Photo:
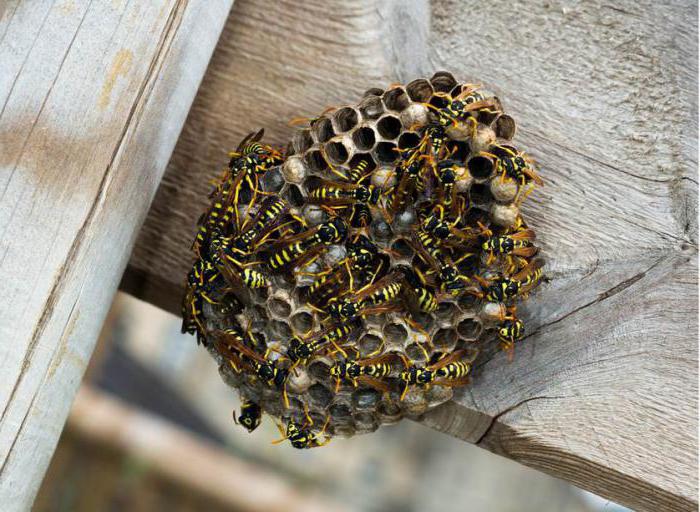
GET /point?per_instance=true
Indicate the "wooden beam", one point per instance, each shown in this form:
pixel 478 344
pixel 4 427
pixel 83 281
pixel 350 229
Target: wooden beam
pixel 93 96
pixel 603 392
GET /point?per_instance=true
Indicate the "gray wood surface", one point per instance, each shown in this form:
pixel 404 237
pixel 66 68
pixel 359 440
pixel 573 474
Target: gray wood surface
pixel 603 392
pixel 92 99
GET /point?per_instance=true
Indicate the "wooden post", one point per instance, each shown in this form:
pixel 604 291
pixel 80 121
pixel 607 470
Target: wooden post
pixel 92 98
pixel 603 392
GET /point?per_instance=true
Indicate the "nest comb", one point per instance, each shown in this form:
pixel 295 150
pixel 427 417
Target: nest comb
pixel 377 131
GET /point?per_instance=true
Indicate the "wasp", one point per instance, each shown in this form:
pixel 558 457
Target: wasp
pixel 360 216
pixel 516 165
pixel 510 331
pixel 360 260
pixel 300 248
pixel 408 179
pixel 202 279
pixel 251 145
pixel 430 250
pixel 250 417
pixel 267 218
pixel 301 437
pixel 516 244
pixel 420 296
pixel 234 271
pixel 368 300
pixel 368 371
pixel 300 350
pixel 460 108
pixel 505 289
pixel 448 371
pixel 231 345
pixel 343 194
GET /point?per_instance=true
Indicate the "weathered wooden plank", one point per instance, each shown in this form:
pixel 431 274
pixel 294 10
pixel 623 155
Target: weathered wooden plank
pixel 93 98
pixel 603 392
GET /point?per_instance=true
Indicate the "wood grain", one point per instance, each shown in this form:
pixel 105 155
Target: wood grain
pixel 603 391
pixel 93 96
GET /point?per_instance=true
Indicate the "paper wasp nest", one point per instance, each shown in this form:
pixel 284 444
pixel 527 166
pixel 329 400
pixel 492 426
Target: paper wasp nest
pixel 380 130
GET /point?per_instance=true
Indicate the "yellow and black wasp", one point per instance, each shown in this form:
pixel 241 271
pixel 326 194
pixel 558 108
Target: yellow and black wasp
pixel 356 270
pixel 202 280
pixel 429 249
pixel 331 193
pixel 232 346
pixel 419 296
pixel 509 332
pixel 449 371
pixel 369 371
pixel 506 289
pixel 371 299
pixel 409 178
pixel 267 218
pixel 250 417
pixel 299 350
pixel 301 437
pixel 513 164
pixel 235 270
pixel 516 244
pixel 298 249
pixel 463 107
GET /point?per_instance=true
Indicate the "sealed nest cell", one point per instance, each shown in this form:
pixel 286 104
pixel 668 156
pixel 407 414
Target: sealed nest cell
pixel 353 279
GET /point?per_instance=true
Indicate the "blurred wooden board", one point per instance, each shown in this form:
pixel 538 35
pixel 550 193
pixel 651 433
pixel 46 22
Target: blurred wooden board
pixel 93 96
pixel 603 392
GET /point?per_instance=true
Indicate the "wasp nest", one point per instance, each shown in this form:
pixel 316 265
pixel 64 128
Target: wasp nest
pixel 352 281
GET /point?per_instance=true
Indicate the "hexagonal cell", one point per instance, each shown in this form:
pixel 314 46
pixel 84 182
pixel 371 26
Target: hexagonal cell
pixel 505 127
pixel 364 138
pixel 279 307
pixel 366 422
pixel 273 180
pixel 418 353
pixel 481 167
pixel 320 395
pixel 389 127
pixel 365 399
pixel 298 381
pixel 337 152
pixel 445 339
pixel 314 214
pixel 319 370
pixel 409 140
pixel 503 191
pixel 259 294
pixel 369 344
pixel 438 101
pixel 467 302
pixel 315 161
pixel 293 196
pixel 340 412
pixel 443 81
pixel 414 116
pixel 437 395
pixel 405 221
pixel 282 329
pixel 322 129
pixel 381 230
pixel 480 194
pixel 389 412
pixel 419 90
pixel 504 215
pixel 345 119
pixel 469 328
pixel 402 248
pixel 385 152
pixel 373 91
pixel 302 322
pixel 371 107
pixel 445 310
pixel 302 141
pixel 396 99
pixel 395 334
